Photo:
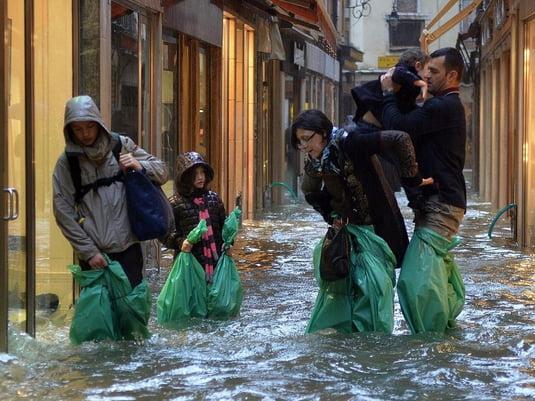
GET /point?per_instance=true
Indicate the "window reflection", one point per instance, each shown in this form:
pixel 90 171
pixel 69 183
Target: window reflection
pixel 169 106
pixel 89 52
pixel 201 139
pixel 124 71
pixel 53 282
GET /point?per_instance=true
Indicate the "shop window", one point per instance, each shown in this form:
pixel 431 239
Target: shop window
pixel 329 100
pixel 500 14
pixel 203 133
pixel 130 74
pixel 89 57
pixel 124 71
pixel 308 100
pixel 16 167
pixel 52 87
pixel 188 95
pixel 169 106
pixel 291 105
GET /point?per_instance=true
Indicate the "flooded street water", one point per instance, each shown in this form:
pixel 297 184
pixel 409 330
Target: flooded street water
pixel 263 354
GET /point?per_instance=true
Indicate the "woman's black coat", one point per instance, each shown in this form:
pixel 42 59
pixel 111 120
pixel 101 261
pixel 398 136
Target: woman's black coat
pixel 360 192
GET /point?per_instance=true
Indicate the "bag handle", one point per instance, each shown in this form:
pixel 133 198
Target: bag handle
pixel 107 259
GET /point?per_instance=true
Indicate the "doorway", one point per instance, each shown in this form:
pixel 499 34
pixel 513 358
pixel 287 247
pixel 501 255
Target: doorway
pixel 13 252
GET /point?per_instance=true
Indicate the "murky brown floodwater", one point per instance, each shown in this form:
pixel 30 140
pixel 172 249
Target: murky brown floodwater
pixel 265 355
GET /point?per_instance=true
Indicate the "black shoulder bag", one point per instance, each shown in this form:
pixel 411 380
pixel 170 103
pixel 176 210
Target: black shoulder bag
pixel 335 254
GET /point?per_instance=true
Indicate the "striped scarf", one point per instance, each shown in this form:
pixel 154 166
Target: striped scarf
pixel 209 248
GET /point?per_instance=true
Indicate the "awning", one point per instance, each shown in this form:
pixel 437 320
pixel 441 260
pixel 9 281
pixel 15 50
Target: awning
pixel 310 14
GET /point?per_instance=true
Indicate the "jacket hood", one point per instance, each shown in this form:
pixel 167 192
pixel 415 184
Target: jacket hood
pixel 82 108
pixel 187 161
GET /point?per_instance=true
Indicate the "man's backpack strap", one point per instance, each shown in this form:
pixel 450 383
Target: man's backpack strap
pixel 118 146
pixel 76 173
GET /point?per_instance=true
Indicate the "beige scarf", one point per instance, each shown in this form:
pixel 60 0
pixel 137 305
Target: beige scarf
pixel 98 151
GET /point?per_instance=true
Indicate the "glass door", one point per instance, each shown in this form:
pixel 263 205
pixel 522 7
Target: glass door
pixel 52 41
pixel 4 206
pixel 14 185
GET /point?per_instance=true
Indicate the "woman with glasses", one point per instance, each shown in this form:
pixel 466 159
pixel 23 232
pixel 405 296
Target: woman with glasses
pixel 343 181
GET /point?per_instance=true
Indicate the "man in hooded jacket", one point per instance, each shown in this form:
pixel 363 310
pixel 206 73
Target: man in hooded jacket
pixel 97 222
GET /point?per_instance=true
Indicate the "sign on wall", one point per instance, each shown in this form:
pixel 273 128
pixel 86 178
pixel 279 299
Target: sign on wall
pixel 387 61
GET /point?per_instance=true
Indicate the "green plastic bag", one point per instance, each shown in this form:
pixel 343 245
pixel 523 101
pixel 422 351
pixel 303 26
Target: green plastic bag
pixel 131 307
pixel 93 315
pixel 374 280
pixel 364 301
pixel 430 288
pixel 184 293
pixel 108 308
pixel 225 295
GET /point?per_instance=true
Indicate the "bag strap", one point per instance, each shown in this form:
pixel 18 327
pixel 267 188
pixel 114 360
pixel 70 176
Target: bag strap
pixel 117 147
pixel 76 173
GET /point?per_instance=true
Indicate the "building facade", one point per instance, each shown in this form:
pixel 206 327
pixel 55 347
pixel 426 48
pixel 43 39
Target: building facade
pixel 394 26
pixel 506 124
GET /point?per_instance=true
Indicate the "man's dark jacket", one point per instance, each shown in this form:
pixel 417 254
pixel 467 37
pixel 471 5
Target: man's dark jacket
pixel 438 132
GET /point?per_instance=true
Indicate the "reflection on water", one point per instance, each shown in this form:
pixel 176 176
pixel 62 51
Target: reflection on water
pixel 264 355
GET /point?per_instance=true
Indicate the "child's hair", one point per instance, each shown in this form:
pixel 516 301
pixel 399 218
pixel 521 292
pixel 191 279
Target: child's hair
pixel 411 56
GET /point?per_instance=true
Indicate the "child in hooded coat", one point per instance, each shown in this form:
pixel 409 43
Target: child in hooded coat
pixel 192 202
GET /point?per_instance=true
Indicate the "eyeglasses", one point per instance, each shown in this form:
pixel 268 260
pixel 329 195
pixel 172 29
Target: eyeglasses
pixel 304 142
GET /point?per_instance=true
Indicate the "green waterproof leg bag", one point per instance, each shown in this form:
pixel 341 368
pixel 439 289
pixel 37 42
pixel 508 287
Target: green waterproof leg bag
pixel 364 300
pixel 430 288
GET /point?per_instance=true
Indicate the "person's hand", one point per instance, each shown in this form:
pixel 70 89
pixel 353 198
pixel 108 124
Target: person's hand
pixel 338 223
pixel 387 85
pixel 228 250
pixel 423 39
pixel 127 162
pixel 186 246
pixel 97 261
pixel 427 181
pixel 423 88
